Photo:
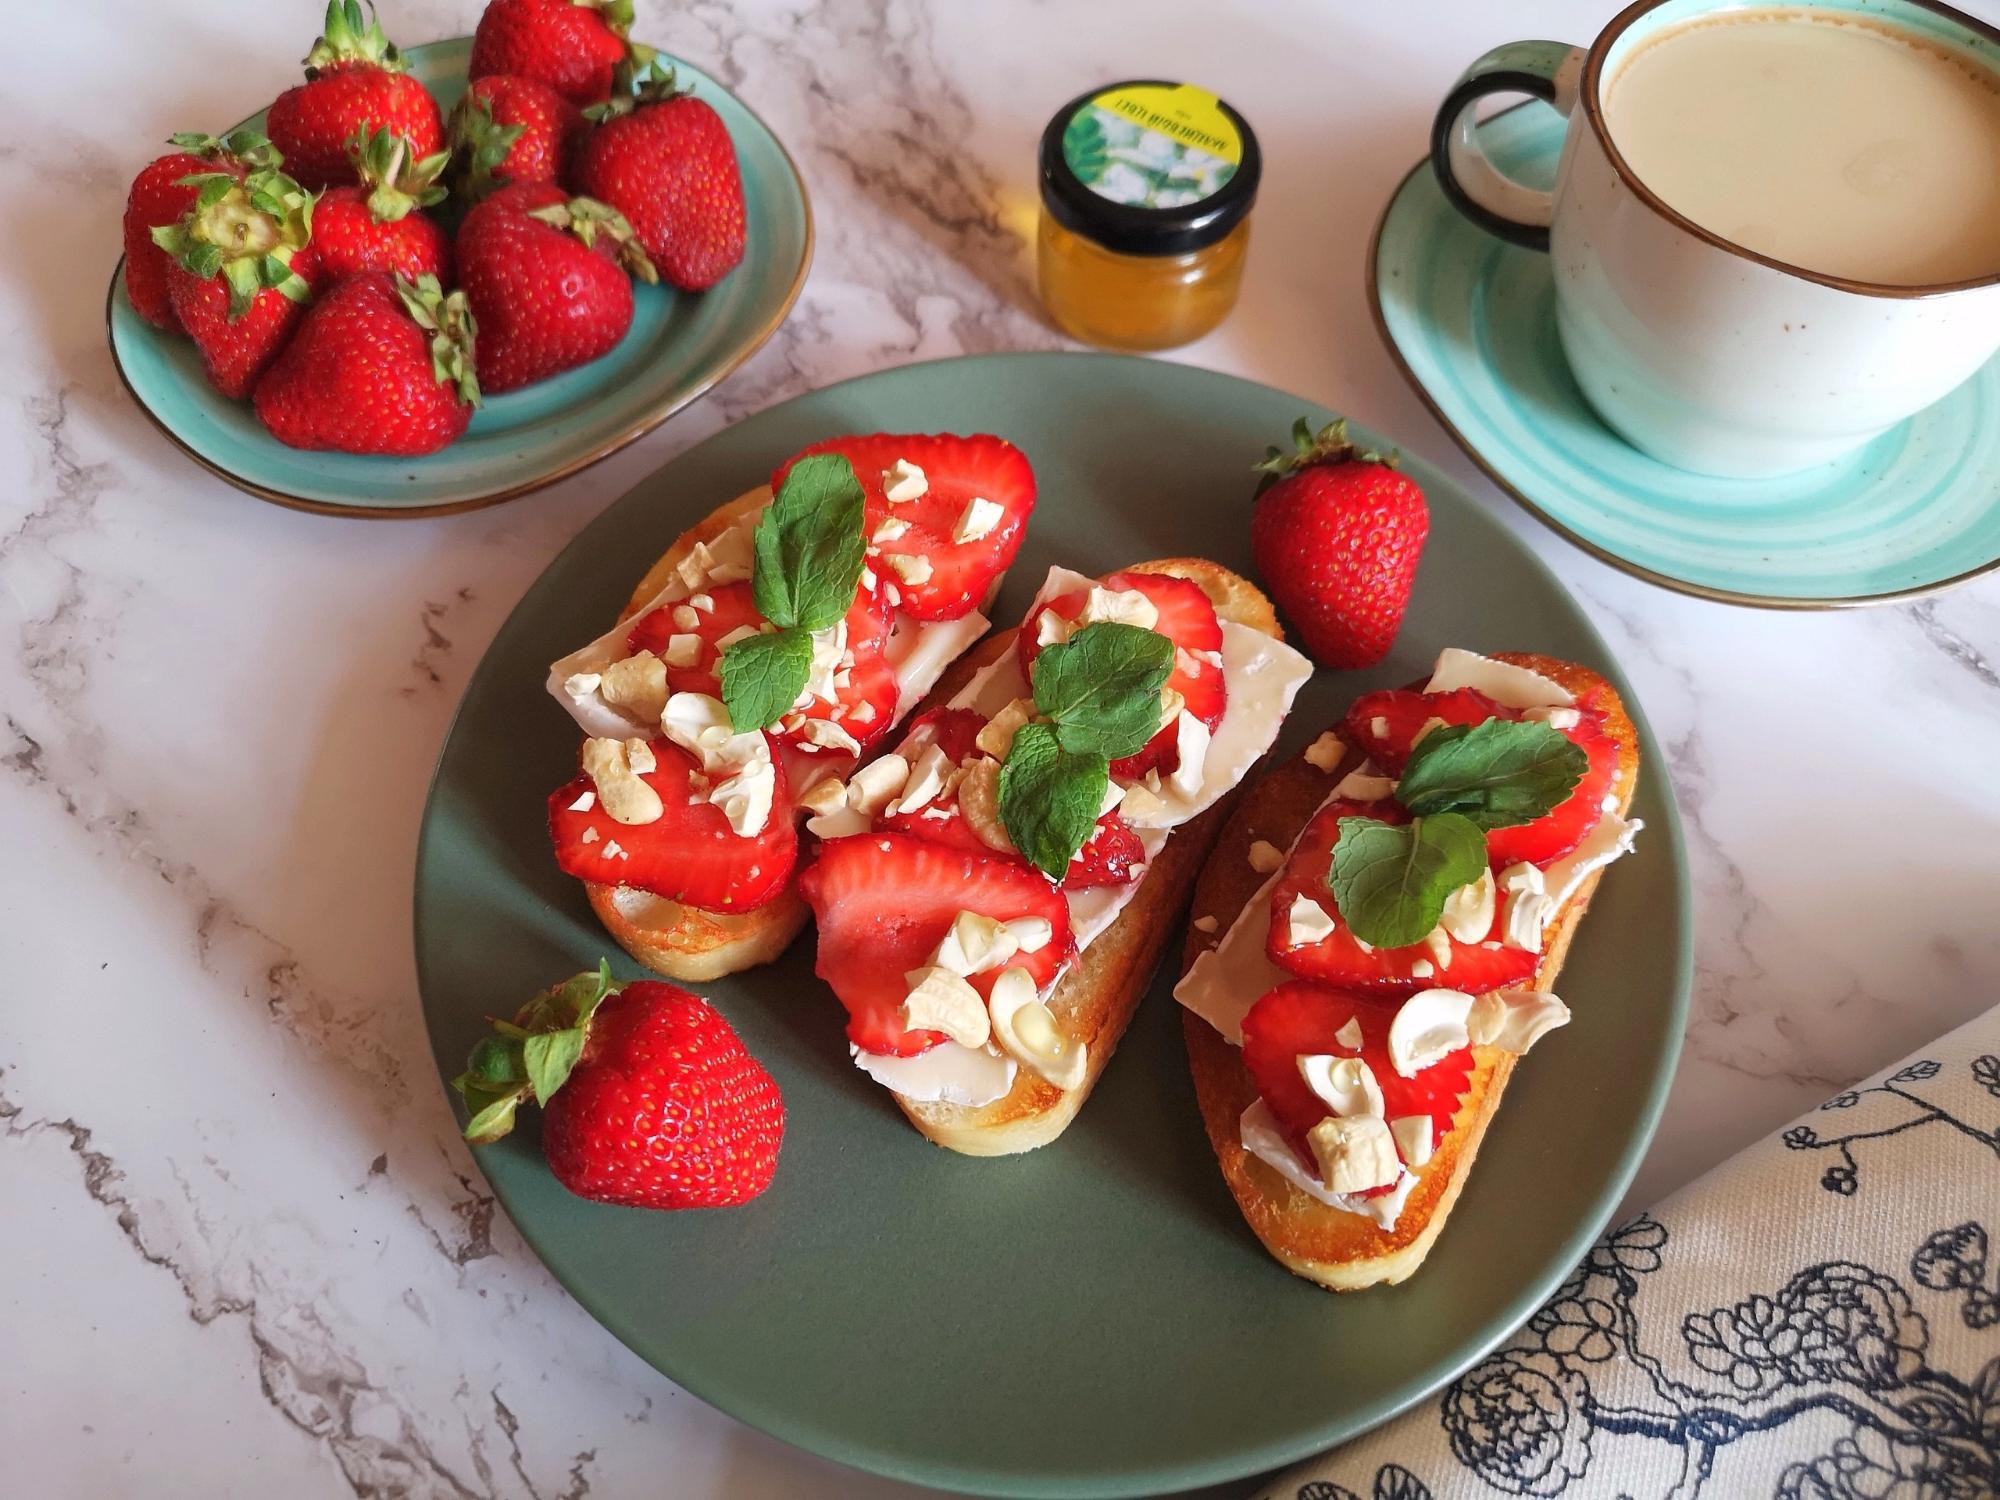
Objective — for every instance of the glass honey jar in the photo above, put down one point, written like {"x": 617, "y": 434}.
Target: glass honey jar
{"x": 1147, "y": 188}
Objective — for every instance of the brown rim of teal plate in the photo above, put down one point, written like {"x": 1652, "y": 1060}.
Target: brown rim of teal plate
{"x": 1168, "y": 1351}
{"x": 642, "y": 424}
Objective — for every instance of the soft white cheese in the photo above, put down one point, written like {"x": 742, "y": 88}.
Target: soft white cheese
{"x": 947, "y": 1074}
{"x": 1536, "y": 896}
{"x": 1365, "y": 784}
{"x": 1226, "y": 980}
{"x": 1506, "y": 684}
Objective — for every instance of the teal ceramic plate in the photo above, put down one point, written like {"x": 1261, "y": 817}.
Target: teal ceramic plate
{"x": 678, "y": 346}
{"x": 1472, "y": 321}
{"x": 1092, "y": 1318}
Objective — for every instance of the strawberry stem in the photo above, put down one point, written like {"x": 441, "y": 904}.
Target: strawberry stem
{"x": 1329, "y": 445}
{"x": 532, "y": 1056}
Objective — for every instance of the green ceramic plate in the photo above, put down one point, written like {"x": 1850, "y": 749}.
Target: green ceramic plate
{"x": 678, "y": 346}
{"x": 1092, "y": 1318}
{"x": 1472, "y": 321}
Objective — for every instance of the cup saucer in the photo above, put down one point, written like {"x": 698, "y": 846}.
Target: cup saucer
{"x": 1472, "y": 322}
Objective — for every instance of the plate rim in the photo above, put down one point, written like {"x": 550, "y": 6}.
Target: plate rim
{"x": 1789, "y": 603}
{"x": 1237, "y": 1463}
{"x": 644, "y": 423}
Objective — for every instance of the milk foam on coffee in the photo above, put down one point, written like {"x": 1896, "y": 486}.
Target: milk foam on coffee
{"x": 1842, "y": 146}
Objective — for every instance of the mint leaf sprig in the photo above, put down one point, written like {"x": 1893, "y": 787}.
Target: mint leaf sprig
{"x": 809, "y": 553}
{"x": 1097, "y": 696}
{"x": 1390, "y": 881}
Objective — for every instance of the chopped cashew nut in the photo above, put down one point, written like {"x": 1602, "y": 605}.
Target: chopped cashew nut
{"x": 870, "y": 789}
{"x": 973, "y": 944}
{"x": 639, "y": 683}
{"x": 979, "y": 801}
{"x": 1414, "y": 1138}
{"x": 827, "y": 796}
{"x": 626, "y": 799}
{"x": 1468, "y": 911}
{"x": 996, "y": 738}
{"x": 1345, "y": 1085}
{"x": 683, "y": 650}
{"x": 685, "y": 617}
{"x": 1349, "y": 1034}
{"x": 926, "y": 779}
{"x": 1032, "y": 934}
{"x": 1308, "y": 922}
{"x": 1326, "y": 752}
{"x": 1514, "y": 1020}
{"x": 1265, "y": 857}
{"x": 1354, "y": 1153}
{"x": 890, "y": 530}
{"x": 1191, "y": 737}
{"x": 904, "y": 481}
{"x": 580, "y": 685}
{"x": 1142, "y": 808}
{"x": 977, "y": 520}
{"x": 584, "y": 803}
{"x": 908, "y": 566}
{"x": 1429, "y": 1026}
{"x": 1028, "y": 1033}
{"x": 1206, "y": 924}
{"x": 940, "y": 1000}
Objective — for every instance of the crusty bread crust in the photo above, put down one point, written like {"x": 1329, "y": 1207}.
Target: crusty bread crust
{"x": 1339, "y": 1250}
{"x": 1096, "y": 999}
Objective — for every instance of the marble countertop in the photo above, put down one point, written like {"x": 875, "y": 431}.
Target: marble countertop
{"x": 244, "y": 1246}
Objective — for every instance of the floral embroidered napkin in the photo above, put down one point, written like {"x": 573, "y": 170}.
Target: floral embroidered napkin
{"x": 1816, "y": 1319}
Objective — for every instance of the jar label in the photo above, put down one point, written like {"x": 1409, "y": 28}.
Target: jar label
{"x": 1153, "y": 145}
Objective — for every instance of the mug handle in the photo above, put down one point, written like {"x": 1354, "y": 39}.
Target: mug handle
{"x": 1474, "y": 186}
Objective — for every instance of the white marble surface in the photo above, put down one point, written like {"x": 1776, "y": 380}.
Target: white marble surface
{"x": 242, "y": 1251}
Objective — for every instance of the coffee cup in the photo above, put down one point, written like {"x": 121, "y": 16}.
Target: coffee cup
{"x": 1721, "y": 307}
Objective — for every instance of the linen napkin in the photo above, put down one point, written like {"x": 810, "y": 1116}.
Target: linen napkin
{"x": 1816, "y": 1319}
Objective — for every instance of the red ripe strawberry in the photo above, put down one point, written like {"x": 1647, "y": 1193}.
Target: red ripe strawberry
{"x": 1301, "y": 1019}
{"x": 375, "y": 226}
{"x": 649, "y": 1099}
{"x": 1337, "y": 533}
{"x": 1187, "y": 618}
{"x": 545, "y": 276}
{"x": 689, "y": 853}
{"x": 951, "y": 578}
{"x": 243, "y": 266}
{"x": 574, "y": 46}
{"x": 1340, "y": 959}
{"x": 510, "y": 129}
{"x": 160, "y": 198}
{"x": 883, "y": 901}
{"x": 378, "y": 365}
{"x": 356, "y": 81}
{"x": 1385, "y": 725}
{"x": 1112, "y": 855}
{"x": 664, "y": 159}
{"x": 1564, "y": 827}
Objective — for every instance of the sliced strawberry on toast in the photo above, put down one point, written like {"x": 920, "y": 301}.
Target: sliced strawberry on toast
{"x": 940, "y": 820}
{"x": 1187, "y": 618}
{"x": 689, "y": 853}
{"x": 1112, "y": 855}
{"x": 1303, "y": 1019}
{"x": 883, "y": 901}
{"x": 1386, "y": 725}
{"x": 1342, "y": 959}
{"x": 914, "y": 542}
{"x": 1564, "y": 827}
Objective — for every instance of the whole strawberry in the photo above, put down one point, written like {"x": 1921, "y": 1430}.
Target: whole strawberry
{"x": 377, "y": 226}
{"x": 242, "y": 268}
{"x": 162, "y": 196}
{"x": 664, "y": 160}
{"x": 356, "y": 80}
{"x": 573, "y": 46}
{"x": 545, "y": 274}
{"x": 649, "y": 1099}
{"x": 510, "y": 129}
{"x": 380, "y": 364}
{"x": 1337, "y": 533}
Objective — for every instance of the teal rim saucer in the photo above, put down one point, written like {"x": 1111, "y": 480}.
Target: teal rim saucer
{"x": 679, "y": 345}
{"x": 1471, "y": 320}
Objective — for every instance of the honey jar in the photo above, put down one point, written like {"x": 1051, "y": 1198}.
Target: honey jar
{"x": 1147, "y": 188}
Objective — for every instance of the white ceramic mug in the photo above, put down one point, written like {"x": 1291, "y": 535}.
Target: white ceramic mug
{"x": 1699, "y": 352}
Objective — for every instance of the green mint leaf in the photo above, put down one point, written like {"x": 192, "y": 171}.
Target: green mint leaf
{"x": 809, "y": 546}
{"x": 1102, "y": 687}
{"x": 1049, "y": 797}
{"x": 549, "y": 1057}
{"x": 763, "y": 675}
{"x": 1390, "y": 880}
{"x": 1496, "y": 774}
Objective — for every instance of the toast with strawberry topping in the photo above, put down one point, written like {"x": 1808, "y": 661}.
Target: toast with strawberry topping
{"x": 770, "y": 613}
{"x": 1345, "y": 1070}
{"x": 992, "y": 893}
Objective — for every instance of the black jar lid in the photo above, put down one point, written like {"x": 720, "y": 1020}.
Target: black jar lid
{"x": 1149, "y": 167}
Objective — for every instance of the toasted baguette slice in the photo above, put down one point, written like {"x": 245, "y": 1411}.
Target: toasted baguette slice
{"x": 1095, "y": 1000}
{"x": 1339, "y": 1250}
{"x": 684, "y": 942}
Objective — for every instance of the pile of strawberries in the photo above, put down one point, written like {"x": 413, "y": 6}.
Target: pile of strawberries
{"x": 364, "y": 273}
